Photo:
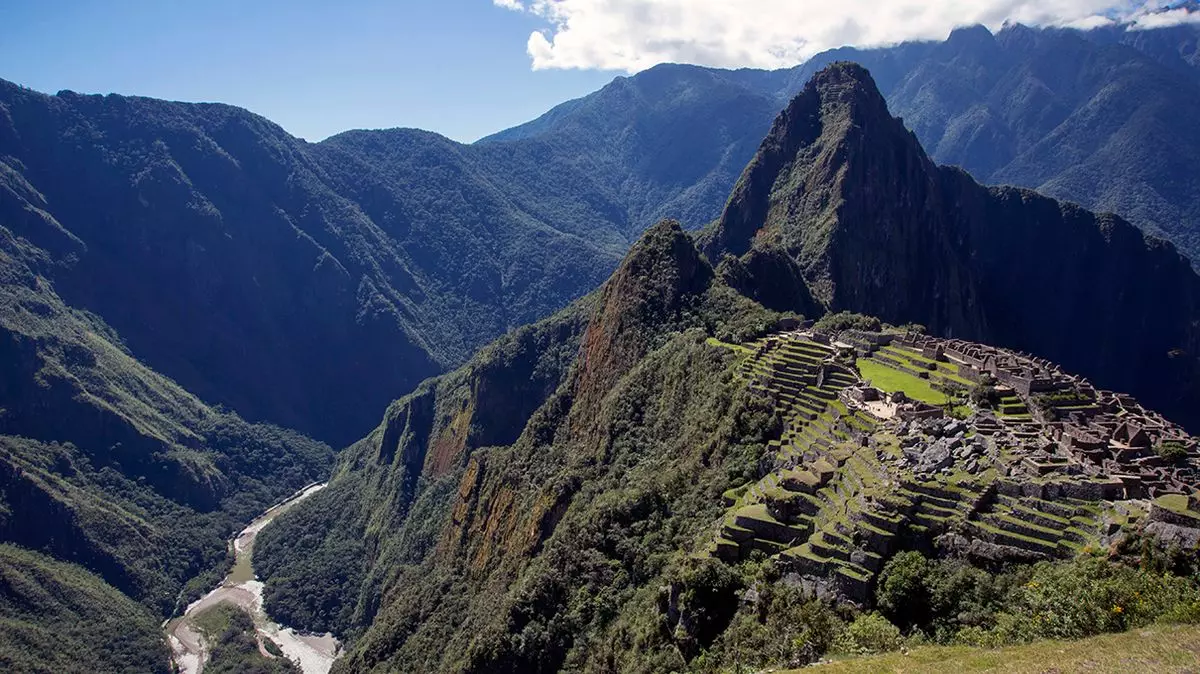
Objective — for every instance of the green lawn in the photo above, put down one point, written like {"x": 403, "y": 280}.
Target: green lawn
{"x": 1161, "y": 648}
{"x": 889, "y": 380}
{"x": 713, "y": 341}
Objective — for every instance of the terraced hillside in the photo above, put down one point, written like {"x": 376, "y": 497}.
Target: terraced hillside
{"x": 900, "y": 441}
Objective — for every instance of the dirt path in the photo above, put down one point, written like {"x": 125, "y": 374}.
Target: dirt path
{"x": 314, "y": 653}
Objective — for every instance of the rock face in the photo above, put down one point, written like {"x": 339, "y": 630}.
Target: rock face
{"x": 847, "y": 195}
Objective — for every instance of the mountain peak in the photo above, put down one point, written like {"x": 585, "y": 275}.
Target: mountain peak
{"x": 659, "y": 276}
{"x": 842, "y": 198}
{"x": 837, "y": 173}
{"x": 808, "y": 132}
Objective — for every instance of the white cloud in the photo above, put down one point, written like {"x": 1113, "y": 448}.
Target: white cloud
{"x": 1172, "y": 17}
{"x": 633, "y": 35}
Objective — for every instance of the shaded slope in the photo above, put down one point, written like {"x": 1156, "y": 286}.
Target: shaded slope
{"x": 111, "y": 466}
{"x": 56, "y": 617}
{"x": 640, "y": 429}
{"x": 305, "y": 285}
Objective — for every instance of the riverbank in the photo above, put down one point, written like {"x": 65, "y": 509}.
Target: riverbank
{"x": 313, "y": 653}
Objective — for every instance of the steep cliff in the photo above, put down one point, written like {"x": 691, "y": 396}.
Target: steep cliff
{"x": 617, "y": 466}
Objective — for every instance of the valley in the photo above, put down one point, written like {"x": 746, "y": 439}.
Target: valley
{"x": 242, "y": 590}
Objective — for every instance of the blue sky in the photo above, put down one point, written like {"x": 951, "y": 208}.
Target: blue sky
{"x": 457, "y": 67}
{"x": 464, "y": 68}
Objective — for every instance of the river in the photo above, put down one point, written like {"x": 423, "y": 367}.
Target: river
{"x": 314, "y": 653}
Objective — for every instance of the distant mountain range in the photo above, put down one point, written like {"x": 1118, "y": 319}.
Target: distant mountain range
{"x": 1098, "y": 117}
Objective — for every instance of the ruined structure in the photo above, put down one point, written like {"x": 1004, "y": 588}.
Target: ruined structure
{"x": 957, "y": 448}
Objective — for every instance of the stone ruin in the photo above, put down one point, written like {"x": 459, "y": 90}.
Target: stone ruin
{"x": 1046, "y": 466}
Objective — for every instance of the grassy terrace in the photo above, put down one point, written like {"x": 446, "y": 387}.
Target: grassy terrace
{"x": 1161, "y": 648}
{"x": 890, "y": 380}
{"x": 945, "y": 370}
{"x": 1176, "y": 503}
{"x": 736, "y": 348}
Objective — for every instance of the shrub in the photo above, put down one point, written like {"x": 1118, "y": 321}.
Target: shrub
{"x": 903, "y": 593}
{"x": 845, "y": 320}
{"x": 985, "y": 395}
{"x": 1172, "y": 450}
{"x": 1093, "y": 596}
{"x": 869, "y": 634}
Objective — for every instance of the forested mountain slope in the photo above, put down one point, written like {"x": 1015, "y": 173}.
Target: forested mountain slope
{"x": 112, "y": 467}
{"x": 560, "y": 501}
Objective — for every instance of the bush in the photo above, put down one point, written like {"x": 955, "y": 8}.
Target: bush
{"x": 846, "y": 320}
{"x": 940, "y": 597}
{"x": 1172, "y": 450}
{"x": 869, "y": 634}
{"x": 1092, "y": 596}
{"x": 903, "y": 593}
{"x": 985, "y": 396}
{"x": 784, "y": 628}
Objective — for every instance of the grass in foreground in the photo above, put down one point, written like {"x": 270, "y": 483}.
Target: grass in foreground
{"x": 1161, "y": 648}
{"x": 889, "y": 380}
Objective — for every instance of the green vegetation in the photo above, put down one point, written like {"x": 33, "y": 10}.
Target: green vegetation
{"x": 658, "y": 439}
{"x": 234, "y": 644}
{"x": 1160, "y": 649}
{"x": 737, "y": 348}
{"x": 57, "y": 618}
{"x": 891, "y": 380}
{"x": 848, "y": 320}
{"x": 869, "y": 633}
{"x": 952, "y": 602}
{"x": 1172, "y": 451}
{"x": 144, "y": 482}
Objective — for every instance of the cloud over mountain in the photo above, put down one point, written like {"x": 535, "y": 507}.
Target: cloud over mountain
{"x": 633, "y": 35}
